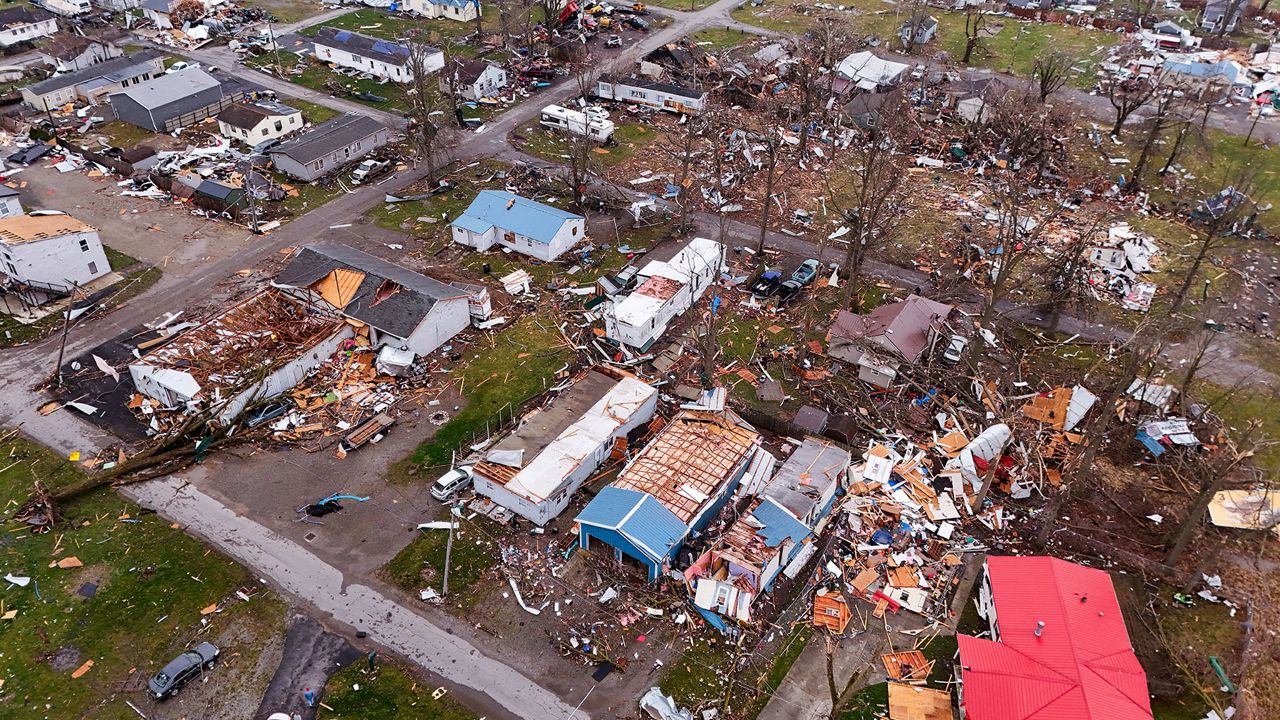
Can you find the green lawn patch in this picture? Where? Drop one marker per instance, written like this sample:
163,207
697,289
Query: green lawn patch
152,582
685,5
869,703
310,195
628,139
288,11
447,35
386,693
698,675
122,134
520,363
421,563
313,113
716,39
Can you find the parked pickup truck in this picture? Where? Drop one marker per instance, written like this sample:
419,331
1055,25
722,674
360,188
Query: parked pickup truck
366,431
368,170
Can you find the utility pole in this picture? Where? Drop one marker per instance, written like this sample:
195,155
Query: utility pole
448,551
66,329
275,49
246,185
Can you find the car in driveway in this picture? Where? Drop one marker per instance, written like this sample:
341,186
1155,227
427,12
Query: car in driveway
807,272
451,483
788,291
767,284
367,170
181,670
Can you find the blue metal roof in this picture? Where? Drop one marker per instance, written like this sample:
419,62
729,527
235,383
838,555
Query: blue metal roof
609,507
473,223
638,517
455,3
779,524
1226,69
511,212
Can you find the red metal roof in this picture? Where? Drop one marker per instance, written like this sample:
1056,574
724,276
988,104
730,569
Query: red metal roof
1081,667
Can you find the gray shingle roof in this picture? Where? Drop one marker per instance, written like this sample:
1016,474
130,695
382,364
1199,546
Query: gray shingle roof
22,16
327,137
389,52
113,68
246,116
399,313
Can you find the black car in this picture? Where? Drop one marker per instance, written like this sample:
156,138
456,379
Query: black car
181,669
767,284
788,291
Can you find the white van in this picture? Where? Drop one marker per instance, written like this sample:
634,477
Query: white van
451,483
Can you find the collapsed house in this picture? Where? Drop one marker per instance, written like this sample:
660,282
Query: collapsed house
672,489
1058,647
1117,263
774,535
94,83
880,342
536,469
407,314
380,58
10,204
865,72
330,146
250,352
497,217
664,290
176,100
68,52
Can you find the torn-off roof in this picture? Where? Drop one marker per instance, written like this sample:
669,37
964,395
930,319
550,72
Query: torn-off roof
690,460
901,328
389,297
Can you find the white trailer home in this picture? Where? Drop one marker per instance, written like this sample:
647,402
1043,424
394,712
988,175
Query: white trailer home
592,127
535,470
657,95
53,251
665,291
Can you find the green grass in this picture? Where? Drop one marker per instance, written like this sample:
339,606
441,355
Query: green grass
288,11
520,363
628,139
1014,47
786,657
1238,407
310,195
447,35
123,135
698,675
387,693
153,581
716,39
138,279
684,5
467,565
869,703
313,113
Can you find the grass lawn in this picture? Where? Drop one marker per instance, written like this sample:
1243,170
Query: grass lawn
520,363
421,563
1014,47
869,703
696,677
152,582
137,279
628,139
387,693
310,195
716,39
1238,407
685,5
313,113
288,11
447,35
123,135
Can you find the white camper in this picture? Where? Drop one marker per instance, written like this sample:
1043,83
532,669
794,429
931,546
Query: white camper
594,127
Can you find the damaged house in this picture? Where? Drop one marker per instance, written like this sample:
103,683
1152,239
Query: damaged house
1059,647
865,72
1118,262
497,217
25,24
257,122
94,83
68,52
407,314
50,254
672,489
774,535
328,147
652,94
473,79
252,351
376,57
664,290
880,342
535,470
461,10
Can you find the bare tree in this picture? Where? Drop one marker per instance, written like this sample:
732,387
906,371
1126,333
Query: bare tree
771,144
581,150
975,31
1213,231
685,147
1067,269
1214,477
1234,8
1050,73
1126,96
918,20
1165,114
874,189
426,104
